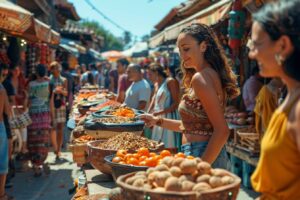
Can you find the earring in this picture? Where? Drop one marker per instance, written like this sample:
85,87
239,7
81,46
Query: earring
278,59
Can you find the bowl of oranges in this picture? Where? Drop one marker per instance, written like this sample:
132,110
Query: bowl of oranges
124,162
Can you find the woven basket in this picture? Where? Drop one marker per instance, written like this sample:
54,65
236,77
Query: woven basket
104,134
79,152
96,156
228,192
121,169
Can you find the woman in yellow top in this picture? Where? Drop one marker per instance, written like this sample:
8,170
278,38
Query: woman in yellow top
266,103
276,47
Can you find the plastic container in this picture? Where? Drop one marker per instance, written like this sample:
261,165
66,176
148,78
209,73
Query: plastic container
81,181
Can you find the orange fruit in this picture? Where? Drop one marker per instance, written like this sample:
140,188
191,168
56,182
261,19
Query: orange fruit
133,161
151,162
142,158
116,159
179,155
158,157
190,157
165,153
121,153
152,154
128,156
143,151
143,163
122,162
135,155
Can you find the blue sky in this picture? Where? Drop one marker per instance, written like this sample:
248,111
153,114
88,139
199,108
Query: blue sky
137,16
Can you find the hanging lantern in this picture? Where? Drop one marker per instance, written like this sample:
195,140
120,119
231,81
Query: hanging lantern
236,25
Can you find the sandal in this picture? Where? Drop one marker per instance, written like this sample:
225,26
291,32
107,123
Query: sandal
46,169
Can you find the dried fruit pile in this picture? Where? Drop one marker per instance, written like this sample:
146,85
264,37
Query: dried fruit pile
128,141
83,139
124,112
181,175
121,111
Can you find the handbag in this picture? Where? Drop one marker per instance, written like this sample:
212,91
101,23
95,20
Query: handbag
20,119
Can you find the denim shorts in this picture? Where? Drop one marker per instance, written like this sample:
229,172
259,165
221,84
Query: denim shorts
3,150
196,149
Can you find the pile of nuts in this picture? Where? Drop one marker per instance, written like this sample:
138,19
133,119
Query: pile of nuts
128,141
114,120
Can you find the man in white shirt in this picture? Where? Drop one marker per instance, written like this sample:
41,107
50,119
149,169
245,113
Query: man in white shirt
138,94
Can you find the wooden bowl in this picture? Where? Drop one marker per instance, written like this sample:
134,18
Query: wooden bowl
96,156
226,192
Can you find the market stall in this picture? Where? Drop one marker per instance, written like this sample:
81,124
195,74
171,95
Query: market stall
108,136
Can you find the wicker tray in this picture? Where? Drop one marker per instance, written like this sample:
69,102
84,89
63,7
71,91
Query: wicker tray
228,192
121,169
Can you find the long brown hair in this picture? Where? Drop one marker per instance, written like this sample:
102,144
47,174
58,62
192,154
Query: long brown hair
215,56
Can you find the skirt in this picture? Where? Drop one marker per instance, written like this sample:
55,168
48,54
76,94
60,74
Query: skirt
40,121
38,146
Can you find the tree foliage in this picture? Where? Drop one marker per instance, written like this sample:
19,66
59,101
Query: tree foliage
111,42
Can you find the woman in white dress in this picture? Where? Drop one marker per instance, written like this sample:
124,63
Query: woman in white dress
165,104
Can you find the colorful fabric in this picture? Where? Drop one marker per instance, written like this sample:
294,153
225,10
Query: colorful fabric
60,115
40,121
38,144
39,97
163,100
277,175
193,115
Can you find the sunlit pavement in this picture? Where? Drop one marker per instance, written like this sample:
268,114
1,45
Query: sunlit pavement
47,187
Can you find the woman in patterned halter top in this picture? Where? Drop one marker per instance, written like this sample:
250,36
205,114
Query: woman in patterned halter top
209,83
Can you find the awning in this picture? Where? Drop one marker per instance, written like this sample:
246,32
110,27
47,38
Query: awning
55,38
157,39
95,54
38,32
139,48
13,18
70,49
208,16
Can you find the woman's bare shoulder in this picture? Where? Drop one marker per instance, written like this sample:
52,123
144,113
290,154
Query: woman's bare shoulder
201,79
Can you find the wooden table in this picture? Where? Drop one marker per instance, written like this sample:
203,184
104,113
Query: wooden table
243,155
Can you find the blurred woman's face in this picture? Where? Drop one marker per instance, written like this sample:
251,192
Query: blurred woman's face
263,50
152,76
189,50
55,71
